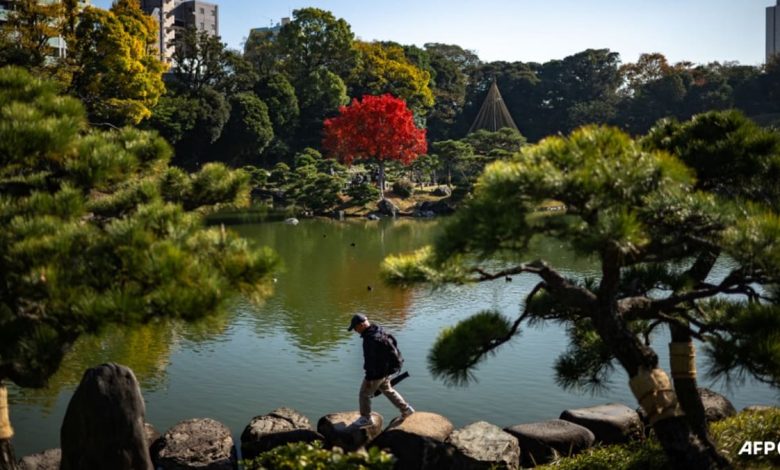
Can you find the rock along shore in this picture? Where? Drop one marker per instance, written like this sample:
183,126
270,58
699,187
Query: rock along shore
105,427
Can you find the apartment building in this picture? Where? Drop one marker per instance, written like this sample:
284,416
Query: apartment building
59,48
274,30
175,15
772,30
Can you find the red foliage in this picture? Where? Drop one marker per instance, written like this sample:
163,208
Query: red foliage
377,127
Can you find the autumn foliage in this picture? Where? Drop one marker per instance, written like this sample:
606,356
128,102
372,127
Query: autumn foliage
378,128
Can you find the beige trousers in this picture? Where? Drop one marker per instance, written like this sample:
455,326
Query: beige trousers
369,387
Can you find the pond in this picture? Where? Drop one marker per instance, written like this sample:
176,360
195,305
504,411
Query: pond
294,349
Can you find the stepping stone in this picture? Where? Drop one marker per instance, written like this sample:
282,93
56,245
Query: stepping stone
545,441
279,427
338,430
716,406
482,445
418,442
611,424
758,408
46,460
202,444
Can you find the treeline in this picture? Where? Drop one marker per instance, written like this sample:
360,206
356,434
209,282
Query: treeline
267,103
593,87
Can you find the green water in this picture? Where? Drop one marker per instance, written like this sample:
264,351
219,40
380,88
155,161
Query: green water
295,351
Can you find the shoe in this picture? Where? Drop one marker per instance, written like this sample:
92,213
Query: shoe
407,412
364,421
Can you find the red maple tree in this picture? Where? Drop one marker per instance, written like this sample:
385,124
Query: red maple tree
377,128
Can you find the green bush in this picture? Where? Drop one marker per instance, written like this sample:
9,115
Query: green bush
363,192
633,456
301,456
307,156
258,177
280,174
403,187
314,191
729,436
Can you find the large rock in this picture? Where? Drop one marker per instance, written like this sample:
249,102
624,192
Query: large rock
150,434
612,423
482,445
279,427
440,207
418,442
544,442
387,207
104,423
758,408
716,406
339,430
442,191
46,460
203,444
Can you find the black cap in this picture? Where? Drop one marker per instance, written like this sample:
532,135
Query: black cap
356,320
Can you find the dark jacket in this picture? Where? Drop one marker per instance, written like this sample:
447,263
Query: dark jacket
374,360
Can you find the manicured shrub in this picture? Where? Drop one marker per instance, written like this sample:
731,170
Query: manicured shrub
363,192
403,188
300,456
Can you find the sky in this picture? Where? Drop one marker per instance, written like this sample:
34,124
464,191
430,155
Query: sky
535,30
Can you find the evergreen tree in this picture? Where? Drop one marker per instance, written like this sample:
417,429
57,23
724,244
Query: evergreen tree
656,237
248,131
97,229
731,155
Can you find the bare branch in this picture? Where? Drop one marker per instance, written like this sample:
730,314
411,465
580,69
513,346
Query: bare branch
486,276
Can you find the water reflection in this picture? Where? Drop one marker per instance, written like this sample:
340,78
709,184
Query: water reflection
330,273
295,351
145,349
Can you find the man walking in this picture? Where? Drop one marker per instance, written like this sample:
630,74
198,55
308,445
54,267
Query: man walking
377,361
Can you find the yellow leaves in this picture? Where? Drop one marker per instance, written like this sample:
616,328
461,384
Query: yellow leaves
119,71
385,69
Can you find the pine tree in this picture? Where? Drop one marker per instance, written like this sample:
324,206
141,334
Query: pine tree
656,237
98,229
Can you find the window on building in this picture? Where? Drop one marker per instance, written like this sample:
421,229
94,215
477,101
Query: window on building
202,11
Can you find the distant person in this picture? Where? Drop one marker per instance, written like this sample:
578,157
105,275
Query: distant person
381,359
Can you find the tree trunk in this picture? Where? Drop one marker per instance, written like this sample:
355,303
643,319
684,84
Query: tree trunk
381,180
685,378
7,458
649,384
684,448
687,388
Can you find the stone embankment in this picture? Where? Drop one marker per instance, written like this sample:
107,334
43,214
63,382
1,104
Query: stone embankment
104,427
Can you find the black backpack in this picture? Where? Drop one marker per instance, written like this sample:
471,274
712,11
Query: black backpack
392,355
